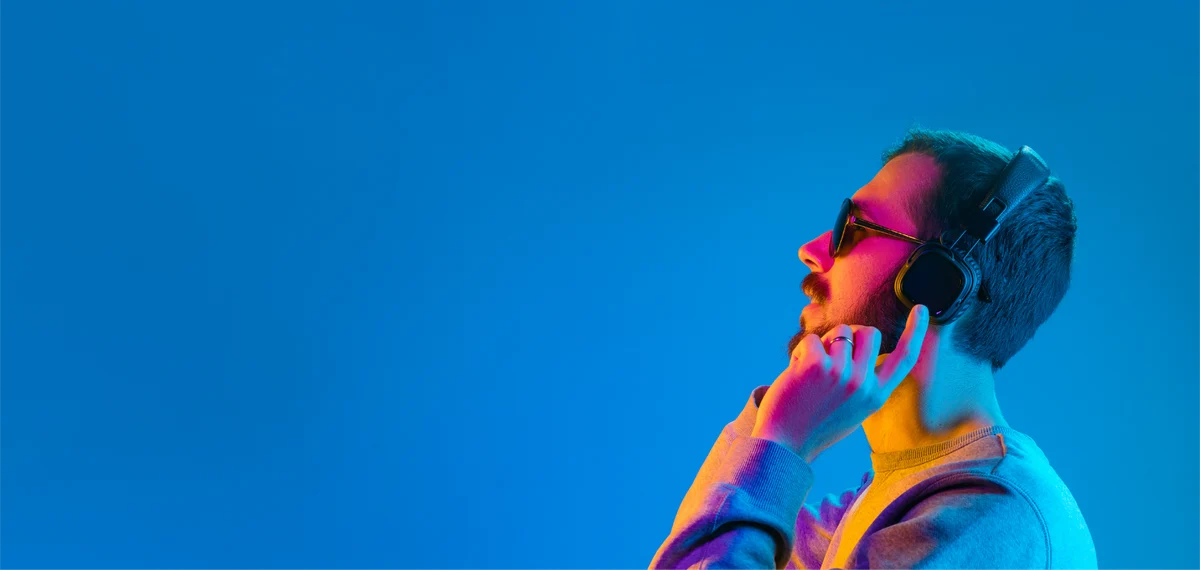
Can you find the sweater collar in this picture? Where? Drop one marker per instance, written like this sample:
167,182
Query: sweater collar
917,455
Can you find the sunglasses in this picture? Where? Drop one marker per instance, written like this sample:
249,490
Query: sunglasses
936,280
847,218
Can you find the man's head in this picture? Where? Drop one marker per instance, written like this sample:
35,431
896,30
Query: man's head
925,182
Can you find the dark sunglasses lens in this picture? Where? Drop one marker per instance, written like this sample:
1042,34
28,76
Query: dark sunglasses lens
839,228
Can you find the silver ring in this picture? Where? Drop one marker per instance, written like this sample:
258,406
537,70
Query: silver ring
845,338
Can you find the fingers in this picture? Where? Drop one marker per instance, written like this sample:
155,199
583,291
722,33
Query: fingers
867,341
809,349
900,362
841,353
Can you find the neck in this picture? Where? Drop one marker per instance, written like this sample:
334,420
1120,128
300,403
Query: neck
944,396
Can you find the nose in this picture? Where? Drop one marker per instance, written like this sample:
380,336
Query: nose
815,254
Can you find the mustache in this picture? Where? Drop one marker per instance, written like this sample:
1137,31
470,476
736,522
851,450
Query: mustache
815,289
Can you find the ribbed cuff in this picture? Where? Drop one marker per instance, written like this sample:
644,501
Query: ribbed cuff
774,481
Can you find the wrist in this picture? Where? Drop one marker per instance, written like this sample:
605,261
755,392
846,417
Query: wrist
797,445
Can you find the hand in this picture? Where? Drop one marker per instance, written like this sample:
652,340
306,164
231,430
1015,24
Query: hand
823,396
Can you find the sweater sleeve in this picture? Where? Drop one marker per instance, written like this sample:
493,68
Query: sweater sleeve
976,523
743,506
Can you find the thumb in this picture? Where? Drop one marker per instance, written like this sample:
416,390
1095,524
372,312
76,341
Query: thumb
900,361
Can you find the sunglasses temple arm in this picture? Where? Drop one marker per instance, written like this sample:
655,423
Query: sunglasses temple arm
892,233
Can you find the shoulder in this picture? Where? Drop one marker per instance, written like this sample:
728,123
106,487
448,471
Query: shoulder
1068,535
963,520
1023,504
980,501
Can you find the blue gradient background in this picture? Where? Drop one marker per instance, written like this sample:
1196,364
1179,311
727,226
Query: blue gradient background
448,285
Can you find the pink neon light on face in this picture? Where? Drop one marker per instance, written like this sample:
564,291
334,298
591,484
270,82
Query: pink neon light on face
856,287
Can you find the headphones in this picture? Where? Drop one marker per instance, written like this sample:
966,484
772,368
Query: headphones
945,277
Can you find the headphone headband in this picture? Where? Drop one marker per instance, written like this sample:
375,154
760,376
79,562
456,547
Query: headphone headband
944,277
1023,174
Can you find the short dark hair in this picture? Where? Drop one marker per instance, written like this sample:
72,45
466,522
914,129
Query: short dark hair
1026,265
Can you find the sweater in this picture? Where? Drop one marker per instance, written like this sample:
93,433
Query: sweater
986,499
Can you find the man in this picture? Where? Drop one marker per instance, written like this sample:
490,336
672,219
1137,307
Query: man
952,485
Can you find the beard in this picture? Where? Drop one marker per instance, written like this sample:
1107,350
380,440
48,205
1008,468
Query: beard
882,310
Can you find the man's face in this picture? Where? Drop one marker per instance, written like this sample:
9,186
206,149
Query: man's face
856,288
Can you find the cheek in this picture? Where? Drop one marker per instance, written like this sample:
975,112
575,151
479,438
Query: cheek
856,285
869,258
882,261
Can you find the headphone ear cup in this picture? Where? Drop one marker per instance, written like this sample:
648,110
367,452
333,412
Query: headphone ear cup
971,280
958,263
973,267
911,284
900,285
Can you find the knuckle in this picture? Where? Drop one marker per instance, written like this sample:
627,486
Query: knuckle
853,385
813,358
803,347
